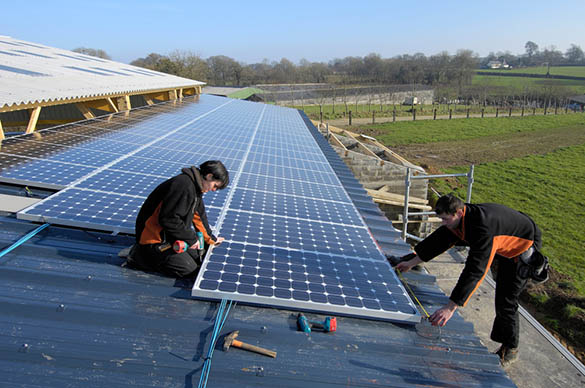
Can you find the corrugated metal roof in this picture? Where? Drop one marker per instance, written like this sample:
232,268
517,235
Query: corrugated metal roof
32,73
71,316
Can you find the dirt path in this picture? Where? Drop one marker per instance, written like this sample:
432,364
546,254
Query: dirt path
490,149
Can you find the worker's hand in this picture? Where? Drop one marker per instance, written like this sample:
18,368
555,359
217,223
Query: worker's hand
405,266
195,246
442,315
219,241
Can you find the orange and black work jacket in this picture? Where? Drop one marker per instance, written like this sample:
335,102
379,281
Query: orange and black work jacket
488,229
174,211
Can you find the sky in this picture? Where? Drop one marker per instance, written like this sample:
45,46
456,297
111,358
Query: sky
319,30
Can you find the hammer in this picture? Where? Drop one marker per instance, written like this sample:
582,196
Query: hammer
230,340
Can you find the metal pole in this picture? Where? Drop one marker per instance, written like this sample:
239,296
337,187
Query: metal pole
469,183
406,195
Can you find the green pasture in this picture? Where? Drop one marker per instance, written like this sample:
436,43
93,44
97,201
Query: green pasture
550,189
338,111
573,71
521,85
429,131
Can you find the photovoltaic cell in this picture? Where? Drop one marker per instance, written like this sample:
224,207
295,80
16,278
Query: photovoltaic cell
293,236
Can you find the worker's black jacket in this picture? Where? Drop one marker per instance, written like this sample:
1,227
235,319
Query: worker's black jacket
172,209
489,230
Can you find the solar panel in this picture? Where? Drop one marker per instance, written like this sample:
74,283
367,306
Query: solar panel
294,237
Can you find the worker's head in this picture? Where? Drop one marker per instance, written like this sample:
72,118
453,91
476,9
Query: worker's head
449,209
215,175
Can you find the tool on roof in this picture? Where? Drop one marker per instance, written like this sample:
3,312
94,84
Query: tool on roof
181,246
230,340
328,325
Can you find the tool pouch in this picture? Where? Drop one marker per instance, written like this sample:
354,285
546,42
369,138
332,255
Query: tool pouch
533,265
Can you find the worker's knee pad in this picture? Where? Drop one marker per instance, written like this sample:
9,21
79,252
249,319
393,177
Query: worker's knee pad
533,265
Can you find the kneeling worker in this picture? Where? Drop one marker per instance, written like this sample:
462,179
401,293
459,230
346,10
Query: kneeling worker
491,231
174,211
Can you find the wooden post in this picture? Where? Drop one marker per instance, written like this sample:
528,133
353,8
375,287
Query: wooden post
556,108
434,113
394,115
85,111
482,111
545,107
413,114
533,111
349,118
497,111
1,131
373,117
124,103
34,118
510,113
522,114
467,112
450,113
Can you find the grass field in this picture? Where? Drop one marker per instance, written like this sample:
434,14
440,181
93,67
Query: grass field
386,110
408,132
520,85
574,71
549,188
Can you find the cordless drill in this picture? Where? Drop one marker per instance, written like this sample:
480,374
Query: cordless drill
181,246
328,325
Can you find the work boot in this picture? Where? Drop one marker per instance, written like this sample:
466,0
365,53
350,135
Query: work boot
507,355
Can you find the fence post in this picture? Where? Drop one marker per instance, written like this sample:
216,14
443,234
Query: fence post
497,111
406,198
467,112
533,111
522,114
482,110
394,115
350,118
510,113
373,117
435,114
469,183
413,114
450,113
556,108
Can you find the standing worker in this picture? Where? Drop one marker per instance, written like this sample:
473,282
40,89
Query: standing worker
491,231
174,212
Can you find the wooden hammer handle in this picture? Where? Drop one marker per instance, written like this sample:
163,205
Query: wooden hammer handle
252,348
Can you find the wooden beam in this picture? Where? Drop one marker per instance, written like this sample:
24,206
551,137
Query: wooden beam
172,94
362,146
123,103
338,142
85,111
401,203
105,104
161,96
34,118
395,197
148,100
181,93
1,131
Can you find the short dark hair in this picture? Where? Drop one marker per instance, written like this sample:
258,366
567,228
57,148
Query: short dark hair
217,171
448,204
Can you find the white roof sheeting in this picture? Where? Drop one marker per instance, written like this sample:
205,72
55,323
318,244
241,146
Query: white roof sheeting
32,73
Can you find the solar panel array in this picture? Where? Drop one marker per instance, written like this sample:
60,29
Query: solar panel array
293,236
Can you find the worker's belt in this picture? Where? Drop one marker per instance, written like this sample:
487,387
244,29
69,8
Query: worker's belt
533,265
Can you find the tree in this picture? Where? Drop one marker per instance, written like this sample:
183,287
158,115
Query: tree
93,52
150,62
575,55
531,48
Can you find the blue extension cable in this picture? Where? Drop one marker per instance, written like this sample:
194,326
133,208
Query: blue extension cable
220,319
24,239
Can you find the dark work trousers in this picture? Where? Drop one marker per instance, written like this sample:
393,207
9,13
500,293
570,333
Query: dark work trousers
169,263
509,286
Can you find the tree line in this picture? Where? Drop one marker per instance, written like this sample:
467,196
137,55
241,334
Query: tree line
440,70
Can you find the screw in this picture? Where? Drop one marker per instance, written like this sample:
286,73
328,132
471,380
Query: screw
260,371
61,308
263,329
24,348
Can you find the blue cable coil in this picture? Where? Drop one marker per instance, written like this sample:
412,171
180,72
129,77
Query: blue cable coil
24,239
221,317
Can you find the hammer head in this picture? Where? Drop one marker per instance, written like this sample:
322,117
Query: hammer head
229,339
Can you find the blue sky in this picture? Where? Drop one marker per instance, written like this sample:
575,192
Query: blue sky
318,30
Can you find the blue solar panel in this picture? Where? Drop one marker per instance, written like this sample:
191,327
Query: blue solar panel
293,236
